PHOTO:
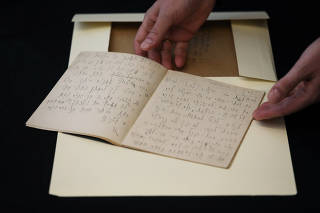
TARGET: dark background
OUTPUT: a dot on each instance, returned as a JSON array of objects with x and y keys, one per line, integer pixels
[{"x": 35, "y": 40}]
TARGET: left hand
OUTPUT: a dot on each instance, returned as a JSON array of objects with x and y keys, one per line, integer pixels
[
  {"x": 170, "y": 25},
  {"x": 299, "y": 88}
]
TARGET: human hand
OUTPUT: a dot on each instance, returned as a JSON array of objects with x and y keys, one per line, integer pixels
[
  {"x": 170, "y": 24},
  {"x": 299, "y": 88}
]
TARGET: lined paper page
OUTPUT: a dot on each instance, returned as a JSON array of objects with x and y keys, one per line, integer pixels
[
  {"x": 101, "y": 94},
  {"x": 196, "y": 119}
]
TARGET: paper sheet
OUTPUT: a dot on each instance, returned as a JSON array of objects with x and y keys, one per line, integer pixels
[
  {"x": 87, "y": 167},
  {"x": 138, "y": 17},
  {"x": 195, "y": 119},
  {"x": 211, "y": 52},
  {"x": 100, "y": 94},
  {"x": 253, "y": 49},
  {"x": 92, "y": 36}
]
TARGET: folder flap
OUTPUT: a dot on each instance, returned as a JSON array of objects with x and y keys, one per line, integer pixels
[
  {"x": 138, "y": 17},
  {"x": 253, "y": 49},
  {"x": 89, "y": 167},
  {"x": 89, "y": 37}
]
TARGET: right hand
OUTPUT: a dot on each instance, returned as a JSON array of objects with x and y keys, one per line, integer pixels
[
  {"x": 299, "y": 88},
  {"x": 169, "y": 21}
]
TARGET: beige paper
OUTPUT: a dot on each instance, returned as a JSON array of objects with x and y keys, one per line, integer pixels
[
  {"x": 211, "y": 52},
  {"x": 138, "y": 17},
  {"x": 241, "y": 48},
  {"x": 250, "y": 40},
  {"x": 82, "y": 166},
  {"x": 96, "y": 35},
  {"x": 253, "y": 49},
  {"x": 89, "y": 167},
  {"x": 195, "y": 119},
  {"x": 101, "y": 94}
]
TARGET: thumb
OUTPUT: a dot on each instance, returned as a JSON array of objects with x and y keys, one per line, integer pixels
[
  {"x": 157, "y": 32},
  {"x": 285, "y": 85}
]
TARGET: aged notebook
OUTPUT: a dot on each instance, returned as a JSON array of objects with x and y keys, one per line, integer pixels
[{"x": 134, "y": 102}]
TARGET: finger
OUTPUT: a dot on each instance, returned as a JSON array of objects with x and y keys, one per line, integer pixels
[
  {"x": 300, "y": 85},
  {"x": 145, "y": 28},
  {"x": 157, "y": 33},
  {"x": 285, "y": 85},
  {"x": 155, "y": 55},
  {"x": 270, "y": 110},
  {"x": 303, "y": 70},
  {"x": 166, "y": 54},
  {"x": 180, "y": 53},
  {"x": 303, "y": 97},
  {"x": 180, "y": 34}
]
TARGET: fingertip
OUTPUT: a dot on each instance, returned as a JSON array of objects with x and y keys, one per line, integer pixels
[
  {"x": 166, "y": 59},
  {"x": 167, "y": 64},
  {"x": 181, "y": 53},
  {"x": 146, "y": 44},
  {"x": 263, "y": 111},
  {"x": 256, "y": 115},
  {"x": 137, "y": 49},
  {"x": 180, "y": 61},
  {"x": 154, "y": 55},
  {"x": 285, "y": 85},
  {"x": 140, "y": 52},
  {"x": 274, "y": 95}
]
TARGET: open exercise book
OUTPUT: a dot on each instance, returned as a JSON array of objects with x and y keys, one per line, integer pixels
[{"x": 134, "y": 102}]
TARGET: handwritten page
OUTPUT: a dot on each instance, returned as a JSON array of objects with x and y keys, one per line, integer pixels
[
  {"x": 101, "y": 94},
  {"x": 211, "y": 52},
  {"x": 200, "y": 46},
  {"x": 195, "y": 119}
]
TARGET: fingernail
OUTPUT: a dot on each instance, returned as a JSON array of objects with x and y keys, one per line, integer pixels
[
  {"x": 146, "y": 43},
  {"x": 274, "y": 95}
]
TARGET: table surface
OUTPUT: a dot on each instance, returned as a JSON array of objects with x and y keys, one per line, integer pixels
[{"x": 36, "y": 41}]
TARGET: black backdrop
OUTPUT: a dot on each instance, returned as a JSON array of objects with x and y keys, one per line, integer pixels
[{"x": 35, "y": 41}]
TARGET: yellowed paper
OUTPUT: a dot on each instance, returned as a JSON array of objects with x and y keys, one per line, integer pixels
[
  {"x": 138, "y": 17},
  {"x": 211, "y": 52},
  {"x": 192, "y": 118},
  {"x": 250, "y": 34},
  {"x": 253, "y": 49},
  {"x": 83, "y": 167},
  {"x": 97, "y": 35},
  {"x": 89, "y": 167},
  {"x": 101, "y": 94},
  {"x": 195, "y": 119}
]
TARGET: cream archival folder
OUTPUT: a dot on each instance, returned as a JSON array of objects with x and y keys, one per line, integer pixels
[{"x": 89, "y": 167}]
